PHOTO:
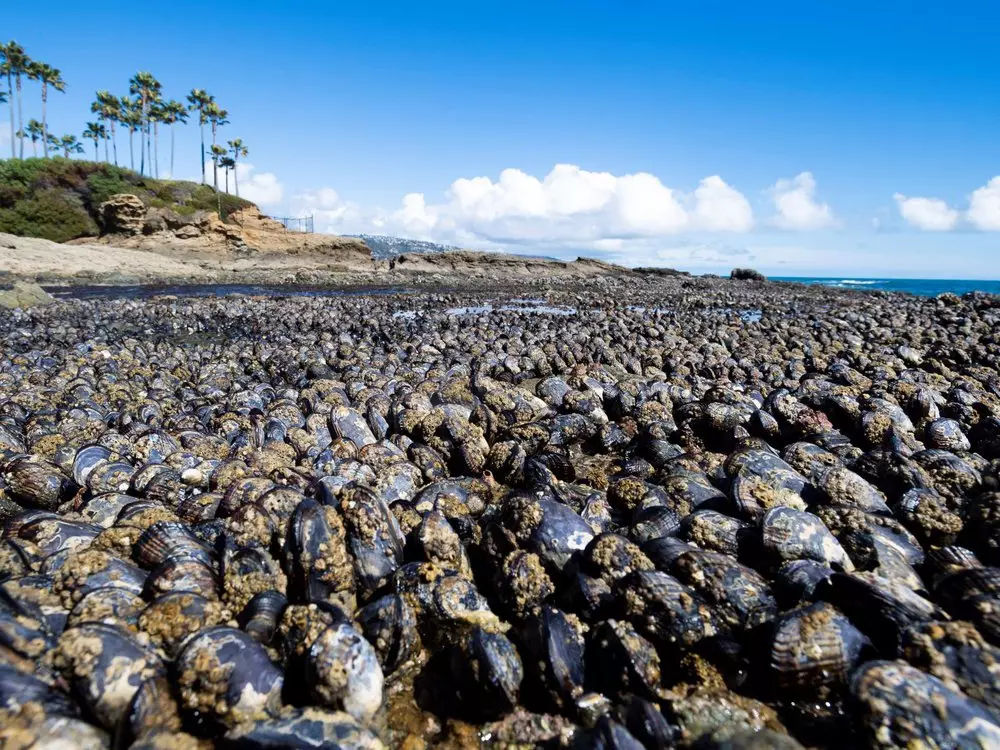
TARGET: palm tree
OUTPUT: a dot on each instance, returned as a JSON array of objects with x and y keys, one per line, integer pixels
[
  {"x": 108, "y": 108},
  {"x": 227, "y": 163},
  {"x": 174, "y": 112},
  {"x": 217, "y": 116},
  {"x": 156, "y": 114},
  {"x": 46, "y": 75},
  {"x": 200, "y": 100},
  {"x": 96, "y": 131},
  {"x": 70, "y": 145},
  {"x": 34, "y": 133},
  {"x": 216, "y": 153},
  {"x": 5, "y": 70},
  {"x": 16, "y": 64},
  {"x": 145, "y": 86},
  {"x": 131, "y": 117},
  {"x": 238, "y": 150}
]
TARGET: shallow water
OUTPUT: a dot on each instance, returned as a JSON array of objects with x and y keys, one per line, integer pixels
[
  {"x": 142, "y": 291},
  {"x": 920, "y": 287}
]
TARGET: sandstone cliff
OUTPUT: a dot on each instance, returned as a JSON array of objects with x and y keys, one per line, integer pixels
[{"x": 127, "y": 223}]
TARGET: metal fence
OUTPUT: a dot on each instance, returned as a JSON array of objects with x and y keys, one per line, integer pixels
[{"x": 296, "y": 223}]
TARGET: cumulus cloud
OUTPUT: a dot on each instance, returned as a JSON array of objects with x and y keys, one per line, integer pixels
[
  {"x": 569, "y": 204},
  {"x": 984, "y": 206},
  {"x": 929, "y": 214},
  {"x": 797, "y": 206},
  {"x": 263, "y": 188}
]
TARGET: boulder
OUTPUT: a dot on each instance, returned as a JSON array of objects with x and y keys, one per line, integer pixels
[
  {"x": 122, "y": 214},
  {"x": 24, "y": 294},
  {"x": 747, "y": 274}
]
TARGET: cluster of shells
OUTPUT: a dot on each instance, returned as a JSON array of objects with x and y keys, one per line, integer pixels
[{"x": 643, "y": 519}]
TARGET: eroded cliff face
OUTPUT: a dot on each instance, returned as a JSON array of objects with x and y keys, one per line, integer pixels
[{"x": 127, "y": 223}]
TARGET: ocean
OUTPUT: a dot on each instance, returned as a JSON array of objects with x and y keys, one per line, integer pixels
[{"x": 923, "y": 287}]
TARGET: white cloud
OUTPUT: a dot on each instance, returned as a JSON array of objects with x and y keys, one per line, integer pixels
[
  {"x": 929, "y": 214},
  {"x": 721, "y": 208},
  {"x": 569, "y": 205},
  {"x": 263, "y": 188},
  {"x": 984, "y": 206},
  {"x": 798, "y": 209}
]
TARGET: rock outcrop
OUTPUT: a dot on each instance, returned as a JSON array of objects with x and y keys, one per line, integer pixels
[
  {"x": 747, "y": 274},
  {"x": 122, "y": 214},
  {"x": 24, "y": 294},
  {"x": 128, "y": 223},
  {"x": 480, "y": 264}
]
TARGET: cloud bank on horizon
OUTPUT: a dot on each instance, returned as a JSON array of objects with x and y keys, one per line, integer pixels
[{"x": 633, "y": 219}]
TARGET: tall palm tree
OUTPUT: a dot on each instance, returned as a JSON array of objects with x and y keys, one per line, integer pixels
[
  {"x": 70, "y": 145},
  {"x": 227, "y": 163},
  {"x": 131, "y": 118},
  {"x": 174, "y": 112},
  {"x": 16, "y": 63},
  {"x": 34, "y": 133},
  {"x": 238, "y": 150},
  {"x": 156, "y": 114},
  {"x": 96, "y": 131},
  {"x": 217, "y": 116},
  {"x": 108, "y": 109},
  {"x": 199, "y": 101},
  {"x": 48, "y": 76},
  {"x": 5, "y": 71},
  {"x": 145, "y": 86}
]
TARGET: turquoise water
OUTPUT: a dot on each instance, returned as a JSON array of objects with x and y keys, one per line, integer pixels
[{"x": 923, "y": 287}]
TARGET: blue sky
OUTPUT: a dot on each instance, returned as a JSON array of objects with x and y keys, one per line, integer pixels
[{"x": 849, "y": 139}]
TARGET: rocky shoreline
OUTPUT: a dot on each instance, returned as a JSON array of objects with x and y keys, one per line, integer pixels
[{"x": 629, "y": 510}]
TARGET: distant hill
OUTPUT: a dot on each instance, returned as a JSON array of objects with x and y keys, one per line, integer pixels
[
  {"x": 57, "y": 199},
  {"x": 384, "y": 246}
]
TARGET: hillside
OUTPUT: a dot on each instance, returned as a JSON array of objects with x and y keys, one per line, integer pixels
[{"x": 57, "y": 199}]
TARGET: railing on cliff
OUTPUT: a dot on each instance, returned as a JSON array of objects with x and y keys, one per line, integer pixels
[{"x": 296, "y": 223}]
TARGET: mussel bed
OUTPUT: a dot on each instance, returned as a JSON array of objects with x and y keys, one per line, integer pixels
[{"x": 624, "y": 515}]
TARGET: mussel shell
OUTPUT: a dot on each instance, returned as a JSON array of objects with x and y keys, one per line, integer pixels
[
  {"x": 226, "y": 675},
  {"x": 343, "y": 671},
  {"x": 789, "y": 534},
  {"x": 105, "y": 666},
  {"x": 814, "y": 650},
  {"x": 487, "y": 673},
  {"x": 740, "y": 597},
  {"x": 390, "y": 625},
  {"x": 18, "y": 689},
  {"x": 898, "y": 706},
  {"x": 303, "y": 729},
  {"x": 556, "y": 649},
  {"x": 665, "y": 610}
]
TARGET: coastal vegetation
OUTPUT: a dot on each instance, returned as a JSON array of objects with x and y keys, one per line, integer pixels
[
  {"x": 140, "y": 112},
  {"x": 59, "y": 198}
]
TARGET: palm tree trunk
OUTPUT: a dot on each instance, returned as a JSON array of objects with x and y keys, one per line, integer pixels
[
  {"x": 10, "y": 101},
  {"x": 95, "y": 148},
  {"x": 227, "y": 180},
  {"x": 156, "y": 136},
  {"x": 172, "y": 129},
  {"x": 20, "y": 118},
  {"x": 45, "y": 127},
  {"x": 142, "y": 139},
  {"x": 131, "y": 149},
  {"x": 202, "y": 152},
  {"x": 236, "y": 177},
  {"x": 114, "y": 143},
  {"x": 215, "y": 161}
]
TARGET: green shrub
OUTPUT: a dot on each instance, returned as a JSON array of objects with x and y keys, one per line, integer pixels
[
  {"x": 59, "y": 198},
  {"x": 51, "y": 214},
  {"x": 101, "y": 186}
]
